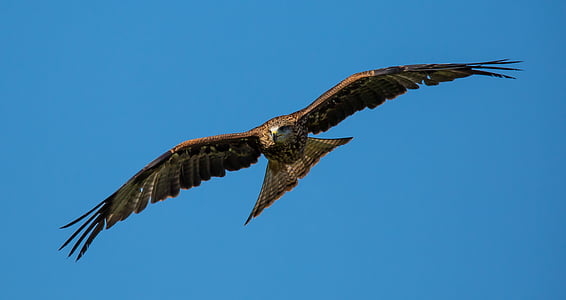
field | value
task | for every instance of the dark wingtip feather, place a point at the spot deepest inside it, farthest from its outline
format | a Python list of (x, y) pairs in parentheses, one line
[(504, 61), (93, 234), (249, 219), (490, 65), (77, 232), (478, 68), (83, 216), (95, 224), (85, 233)]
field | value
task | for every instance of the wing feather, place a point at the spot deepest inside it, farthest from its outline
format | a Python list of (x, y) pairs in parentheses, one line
[(184, 166), (147, 189), (204, 167), (371, 88)]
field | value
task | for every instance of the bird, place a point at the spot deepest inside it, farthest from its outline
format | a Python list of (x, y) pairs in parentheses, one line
[(283, 140)]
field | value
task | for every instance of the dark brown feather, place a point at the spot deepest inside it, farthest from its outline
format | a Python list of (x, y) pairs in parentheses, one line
[(184, 166), (371, 88)]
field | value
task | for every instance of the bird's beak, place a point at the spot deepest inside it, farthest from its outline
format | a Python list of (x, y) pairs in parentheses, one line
[(274, 135)]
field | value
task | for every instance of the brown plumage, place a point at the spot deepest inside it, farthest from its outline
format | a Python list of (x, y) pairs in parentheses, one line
[(283, 140)]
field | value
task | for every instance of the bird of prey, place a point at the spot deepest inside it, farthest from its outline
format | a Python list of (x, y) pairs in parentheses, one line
[(283, 140)]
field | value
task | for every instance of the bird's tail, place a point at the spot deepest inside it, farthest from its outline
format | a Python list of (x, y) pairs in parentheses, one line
[(281, 177)]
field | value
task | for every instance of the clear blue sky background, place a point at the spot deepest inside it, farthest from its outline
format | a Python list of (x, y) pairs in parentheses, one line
[(449, 192)]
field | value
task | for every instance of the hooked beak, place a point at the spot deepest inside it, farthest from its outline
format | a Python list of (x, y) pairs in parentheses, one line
[(274, 135)]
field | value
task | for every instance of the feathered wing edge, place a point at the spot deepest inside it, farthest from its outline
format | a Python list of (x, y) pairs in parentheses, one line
[(372, 88), (97, 223), (280, 177), (182, 167), (98, 220), (473, 68)]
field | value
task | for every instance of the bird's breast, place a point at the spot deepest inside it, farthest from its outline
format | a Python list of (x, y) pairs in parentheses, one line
[(287, 152)]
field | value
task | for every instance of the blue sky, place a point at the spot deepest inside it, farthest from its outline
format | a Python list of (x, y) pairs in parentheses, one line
[(449, 192)]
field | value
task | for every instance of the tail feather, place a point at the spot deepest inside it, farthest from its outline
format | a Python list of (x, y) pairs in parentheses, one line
[(281, 177)]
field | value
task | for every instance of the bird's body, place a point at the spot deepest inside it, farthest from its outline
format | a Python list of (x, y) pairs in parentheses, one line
[(283, 140)]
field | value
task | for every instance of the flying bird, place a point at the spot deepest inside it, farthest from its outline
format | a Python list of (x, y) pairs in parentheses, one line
[(283, 140)]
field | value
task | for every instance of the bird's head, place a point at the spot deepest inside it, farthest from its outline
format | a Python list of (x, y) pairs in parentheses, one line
[(281, 134)]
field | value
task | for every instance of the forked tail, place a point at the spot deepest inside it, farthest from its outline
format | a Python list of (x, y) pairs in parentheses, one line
[(281, 177)]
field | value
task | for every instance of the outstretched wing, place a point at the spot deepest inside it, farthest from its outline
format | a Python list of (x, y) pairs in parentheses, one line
[(372, 88), (182, 167)]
